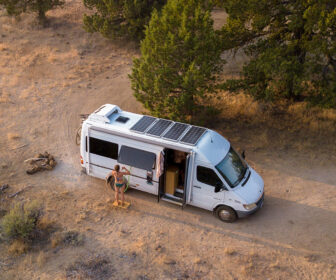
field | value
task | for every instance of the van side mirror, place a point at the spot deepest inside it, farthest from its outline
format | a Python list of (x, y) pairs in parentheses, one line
[(219, 186), (243, 154)]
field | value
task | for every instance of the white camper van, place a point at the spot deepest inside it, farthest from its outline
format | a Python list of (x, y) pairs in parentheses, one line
[(177, 162)]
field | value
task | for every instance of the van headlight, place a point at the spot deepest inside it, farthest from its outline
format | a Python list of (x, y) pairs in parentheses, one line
[(250, 206)]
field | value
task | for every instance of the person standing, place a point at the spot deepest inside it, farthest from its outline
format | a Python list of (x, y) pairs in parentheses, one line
[(119, 183)]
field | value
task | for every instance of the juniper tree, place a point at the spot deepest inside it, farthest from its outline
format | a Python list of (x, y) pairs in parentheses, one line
[(120, 18), (180, 61), (17, 7), (291, 46)]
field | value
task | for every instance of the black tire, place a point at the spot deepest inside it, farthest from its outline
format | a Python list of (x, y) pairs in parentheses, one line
[(226, 214), (110, 182)]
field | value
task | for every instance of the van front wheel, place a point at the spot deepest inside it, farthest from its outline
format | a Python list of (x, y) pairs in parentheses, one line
[(226, 214)]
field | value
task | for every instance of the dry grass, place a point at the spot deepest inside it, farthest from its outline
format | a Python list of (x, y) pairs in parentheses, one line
[(94, 267), (280, 114), (67, 238), (18, 247), (41, 259), (279, 126), (45, 224), (56, 240)]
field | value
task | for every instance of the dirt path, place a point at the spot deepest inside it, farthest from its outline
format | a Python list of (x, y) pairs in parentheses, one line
[(48, 77)]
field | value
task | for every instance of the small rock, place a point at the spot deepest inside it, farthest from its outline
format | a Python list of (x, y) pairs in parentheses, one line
[(98, 219), (159, 248), (170, 261), (4, 166)]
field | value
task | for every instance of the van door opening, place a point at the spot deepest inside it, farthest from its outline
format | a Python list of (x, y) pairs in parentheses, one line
[(173, 181)]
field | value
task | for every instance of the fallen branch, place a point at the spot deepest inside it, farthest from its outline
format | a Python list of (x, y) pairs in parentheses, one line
[(40, 162), (34, 159), (3, 187), (20, 191), (19, 147)]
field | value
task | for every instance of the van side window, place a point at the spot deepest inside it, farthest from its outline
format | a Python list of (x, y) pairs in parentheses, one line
[(207, 176), (103, 148), (137, 158)]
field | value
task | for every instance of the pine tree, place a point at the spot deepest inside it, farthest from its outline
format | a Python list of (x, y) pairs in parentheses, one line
[(180, 62), (17, 7), (291, 46), (120, 18)]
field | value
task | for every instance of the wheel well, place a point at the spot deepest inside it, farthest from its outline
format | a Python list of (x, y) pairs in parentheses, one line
[(215, 209)]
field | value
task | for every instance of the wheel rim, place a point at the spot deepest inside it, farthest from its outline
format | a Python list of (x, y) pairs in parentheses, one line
[(224, 214)]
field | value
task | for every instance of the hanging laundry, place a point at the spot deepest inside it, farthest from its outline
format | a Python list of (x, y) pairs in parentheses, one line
[(160, 165)]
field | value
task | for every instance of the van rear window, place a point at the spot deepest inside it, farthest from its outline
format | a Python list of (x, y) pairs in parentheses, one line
[(137, 158), (103, 148)]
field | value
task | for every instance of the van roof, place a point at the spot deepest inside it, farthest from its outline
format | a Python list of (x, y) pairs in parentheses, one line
[(210, 146)]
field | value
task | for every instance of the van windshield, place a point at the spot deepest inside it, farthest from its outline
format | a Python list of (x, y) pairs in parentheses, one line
[(232, 168)]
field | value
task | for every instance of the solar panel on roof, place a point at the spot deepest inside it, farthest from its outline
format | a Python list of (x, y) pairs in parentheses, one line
[(143, 124), (193, 135), (175, 131), (159, 127)]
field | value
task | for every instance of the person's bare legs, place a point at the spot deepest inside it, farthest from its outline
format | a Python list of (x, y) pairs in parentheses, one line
[(122, 195), (116, 195)]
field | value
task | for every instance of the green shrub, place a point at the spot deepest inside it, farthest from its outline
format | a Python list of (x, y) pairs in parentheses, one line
[(178, 72), (17, 7), (21, 221)]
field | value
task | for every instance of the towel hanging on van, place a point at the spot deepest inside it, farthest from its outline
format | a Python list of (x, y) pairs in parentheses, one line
[(160, 165)]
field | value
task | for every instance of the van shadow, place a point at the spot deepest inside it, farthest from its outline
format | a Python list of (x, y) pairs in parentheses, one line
[(280, 224)]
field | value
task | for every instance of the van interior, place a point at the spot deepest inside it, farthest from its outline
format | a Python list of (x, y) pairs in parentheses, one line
[(172, 185)]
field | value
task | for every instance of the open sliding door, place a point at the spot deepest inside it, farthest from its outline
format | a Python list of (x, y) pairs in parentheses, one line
[(161, 190), (186, 180)]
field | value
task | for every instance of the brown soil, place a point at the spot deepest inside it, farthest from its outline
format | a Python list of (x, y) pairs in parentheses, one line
[(50, 76)]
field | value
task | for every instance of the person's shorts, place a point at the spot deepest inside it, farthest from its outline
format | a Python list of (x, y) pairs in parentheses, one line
[(119, 185)]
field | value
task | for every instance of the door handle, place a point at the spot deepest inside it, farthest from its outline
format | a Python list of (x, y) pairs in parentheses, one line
[(197, 187)]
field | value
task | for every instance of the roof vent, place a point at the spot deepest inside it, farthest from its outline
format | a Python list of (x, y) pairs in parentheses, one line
[(104, 112), (122, 119)]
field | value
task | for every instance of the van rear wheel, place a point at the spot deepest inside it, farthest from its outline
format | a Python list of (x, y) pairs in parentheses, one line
[(226, 214)]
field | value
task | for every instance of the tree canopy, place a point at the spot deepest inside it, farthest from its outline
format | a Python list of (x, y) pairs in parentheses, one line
[(181, 57), (291, 46), (17, 7), (120, 18)]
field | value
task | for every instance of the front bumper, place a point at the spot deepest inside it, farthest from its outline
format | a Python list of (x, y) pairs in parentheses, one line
[(260, 203)]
